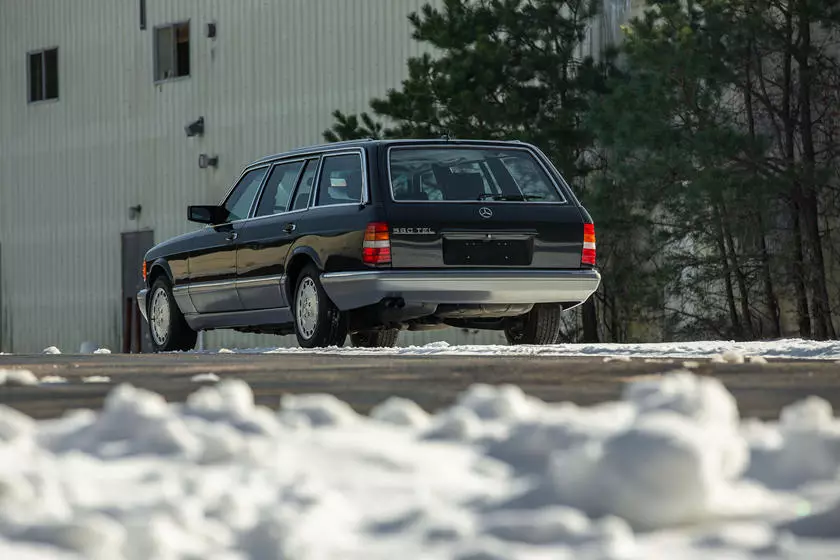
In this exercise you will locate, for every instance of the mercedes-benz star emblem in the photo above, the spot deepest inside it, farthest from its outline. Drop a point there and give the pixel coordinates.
(485, 212)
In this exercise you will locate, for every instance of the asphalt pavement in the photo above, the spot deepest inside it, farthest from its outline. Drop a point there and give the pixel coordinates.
(431, 381)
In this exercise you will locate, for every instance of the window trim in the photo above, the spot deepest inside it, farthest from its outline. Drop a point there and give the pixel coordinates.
(42, 52)
(319, 155)
(553, 179)
(233, 188)
(155, 29)
(364, 199)
(261, 193)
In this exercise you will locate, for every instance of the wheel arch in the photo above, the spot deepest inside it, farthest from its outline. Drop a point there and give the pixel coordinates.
(159, 267)
(296, 261)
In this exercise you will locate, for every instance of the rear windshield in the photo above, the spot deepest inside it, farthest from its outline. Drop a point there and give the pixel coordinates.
(469, 174)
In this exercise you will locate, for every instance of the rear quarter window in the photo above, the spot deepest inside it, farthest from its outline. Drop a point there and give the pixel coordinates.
(463, 174)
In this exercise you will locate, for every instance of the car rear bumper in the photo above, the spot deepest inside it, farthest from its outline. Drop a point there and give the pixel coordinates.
(141, 302)
(351, 290)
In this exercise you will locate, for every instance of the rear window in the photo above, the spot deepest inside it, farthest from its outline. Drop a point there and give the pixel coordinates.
(469, 174)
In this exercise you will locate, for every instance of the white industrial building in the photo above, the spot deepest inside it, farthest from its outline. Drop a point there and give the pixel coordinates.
(95, 163)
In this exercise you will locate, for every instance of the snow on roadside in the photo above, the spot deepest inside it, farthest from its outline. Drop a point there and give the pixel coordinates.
(17, 377)
(721, 350)
(96, 379)
(668, 471)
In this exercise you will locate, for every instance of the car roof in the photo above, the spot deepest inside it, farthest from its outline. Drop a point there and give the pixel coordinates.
(368, 142)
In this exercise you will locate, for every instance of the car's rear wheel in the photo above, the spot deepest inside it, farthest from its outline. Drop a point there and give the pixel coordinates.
(318, 322)
(167, 326)
(386, 338)
(539, 326)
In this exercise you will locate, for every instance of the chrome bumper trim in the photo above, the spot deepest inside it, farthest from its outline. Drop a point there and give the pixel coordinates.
(350, 290)
(141, 303)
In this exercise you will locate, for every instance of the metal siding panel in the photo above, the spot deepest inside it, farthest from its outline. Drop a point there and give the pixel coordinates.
(70, 170)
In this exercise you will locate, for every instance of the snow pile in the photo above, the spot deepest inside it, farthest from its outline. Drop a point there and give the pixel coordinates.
(17, 377)
(721, 351)
(668, 471)
(52, 379)
(96, 379)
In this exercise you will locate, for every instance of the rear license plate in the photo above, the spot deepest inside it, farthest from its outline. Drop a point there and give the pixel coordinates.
(498, 252)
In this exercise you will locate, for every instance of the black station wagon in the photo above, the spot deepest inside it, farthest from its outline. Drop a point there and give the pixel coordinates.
(370, 237)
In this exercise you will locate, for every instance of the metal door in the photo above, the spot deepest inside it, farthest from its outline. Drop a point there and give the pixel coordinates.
(135, 244)
(3, 346)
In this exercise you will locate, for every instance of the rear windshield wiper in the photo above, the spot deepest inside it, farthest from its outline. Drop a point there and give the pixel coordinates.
(523, 197)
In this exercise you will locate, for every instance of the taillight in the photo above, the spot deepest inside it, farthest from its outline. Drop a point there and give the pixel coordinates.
(376, 248)
(588, 254)
(144, 271)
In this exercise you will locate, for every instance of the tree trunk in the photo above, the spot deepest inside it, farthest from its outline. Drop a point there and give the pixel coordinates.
(802, 310)
(590, 320)
(788, 120)
(741, 278)
(823, 327)
(737, 329)
(770, 300)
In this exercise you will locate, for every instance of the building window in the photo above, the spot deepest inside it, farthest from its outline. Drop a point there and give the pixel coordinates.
(43, 75)
(172, 51)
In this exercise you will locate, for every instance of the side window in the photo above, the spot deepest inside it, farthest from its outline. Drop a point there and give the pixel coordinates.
(305, 185)
(172, 51)
(43, 75)
(239, 202)
(278, 189)
(341, 180)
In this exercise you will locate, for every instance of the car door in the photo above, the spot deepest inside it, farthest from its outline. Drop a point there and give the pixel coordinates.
(212, 262)
(332, 230)
(264, 241)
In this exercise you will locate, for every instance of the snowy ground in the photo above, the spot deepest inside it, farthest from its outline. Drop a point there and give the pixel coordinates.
(790, 348)
(786, 348)
(670, 471)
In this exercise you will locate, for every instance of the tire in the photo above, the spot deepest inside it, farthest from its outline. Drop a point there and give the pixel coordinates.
(318, 322)
(375, 339)
(539, 326)
(168, 329)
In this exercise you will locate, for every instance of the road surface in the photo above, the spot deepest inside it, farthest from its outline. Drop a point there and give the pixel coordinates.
(431, 381)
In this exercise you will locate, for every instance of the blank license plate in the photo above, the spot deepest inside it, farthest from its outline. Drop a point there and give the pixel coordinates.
(487, 253)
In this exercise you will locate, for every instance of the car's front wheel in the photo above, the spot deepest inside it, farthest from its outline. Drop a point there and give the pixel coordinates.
(386, 338)
(167, 326)
(318, 322)
(539, 326)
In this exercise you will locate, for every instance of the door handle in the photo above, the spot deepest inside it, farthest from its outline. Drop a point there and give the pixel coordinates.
(232, 236)
(289, 228)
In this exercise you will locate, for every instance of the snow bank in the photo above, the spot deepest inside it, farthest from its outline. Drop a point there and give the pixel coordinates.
(668, 471)
(719, 351)
(17, 377)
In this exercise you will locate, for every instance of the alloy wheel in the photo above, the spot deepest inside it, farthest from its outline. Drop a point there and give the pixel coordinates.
(306, 308)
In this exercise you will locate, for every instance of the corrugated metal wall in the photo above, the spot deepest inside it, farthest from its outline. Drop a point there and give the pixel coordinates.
(70, 169)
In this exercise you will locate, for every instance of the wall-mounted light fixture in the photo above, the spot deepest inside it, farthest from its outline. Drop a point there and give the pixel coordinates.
(134, 212)
(211, 30)
(195, 128)
(205, 161)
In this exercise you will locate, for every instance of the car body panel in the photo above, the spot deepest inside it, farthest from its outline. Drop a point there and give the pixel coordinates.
(260, 262)
(212, 271)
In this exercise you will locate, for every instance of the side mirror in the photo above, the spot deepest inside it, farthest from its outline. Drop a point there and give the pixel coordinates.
(205, 214)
